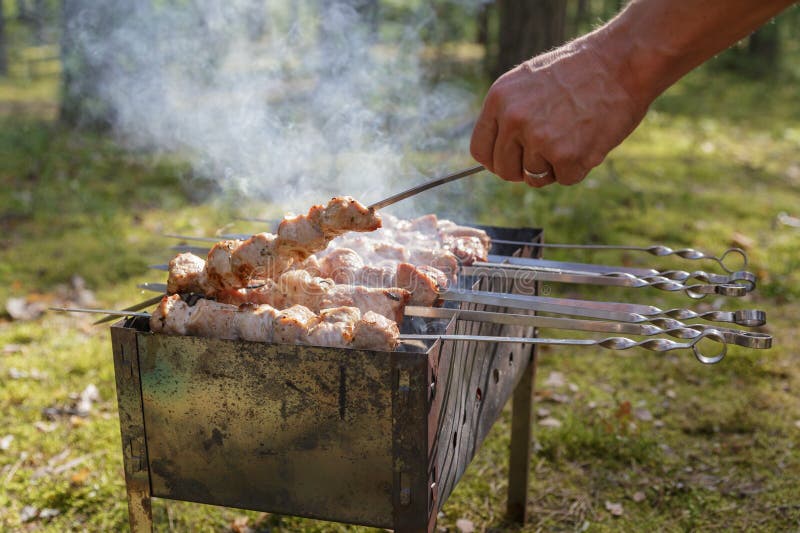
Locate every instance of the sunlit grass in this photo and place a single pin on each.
(712, 160)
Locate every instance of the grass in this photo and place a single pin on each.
(715, 157)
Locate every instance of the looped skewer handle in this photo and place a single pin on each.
(659, 250)
(695, 291)
(610, 343)
(744, 317)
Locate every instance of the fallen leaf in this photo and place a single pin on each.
(638, 496)
(22, 309)
(671, 394)
(542, 412)
(555, 379)
(80, 476)
(614, 508)
(740, 240)
(573, 387)
(550, 422)
(48, 513)
(45, 427)
(241, 525)
(464, 525)
(28, 513)
(643, 414)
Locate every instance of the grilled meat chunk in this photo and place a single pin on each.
(343, 214)
(335, 327)
(254, 322)
(187, 274)
(170, 316)
(388, 302)
(375, 332)
(291, 325)
(219, 271)
(212, 319)
(341, 265)
(423, 283)
(258, 257)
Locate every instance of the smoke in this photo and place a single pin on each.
(291, 102)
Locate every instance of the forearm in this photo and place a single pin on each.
(653, 43)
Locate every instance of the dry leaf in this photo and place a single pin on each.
(241, 525)
(638, 496)
(542, 412)
(643, 414)
(48, 513)
(550, 422)
(28, 513)
(79, 477)
(614, 508)
(555, 379)
(740, 240)
(464, 525)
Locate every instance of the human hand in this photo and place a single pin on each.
(559, 113)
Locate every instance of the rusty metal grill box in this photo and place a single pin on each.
(362, 437)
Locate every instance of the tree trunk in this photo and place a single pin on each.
(87, 59)
(527, 28)
(482, 34)
(38, 20)
(3, 39)
(22, 10)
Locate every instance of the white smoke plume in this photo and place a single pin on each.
(287, 101)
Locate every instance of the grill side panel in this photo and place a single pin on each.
(475, 380)
(288, 429)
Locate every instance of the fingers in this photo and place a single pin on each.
(508, 159)
(484, 135)
(534, 163)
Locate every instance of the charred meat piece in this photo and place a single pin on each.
(375, 332)
(343, 214)
(254, 322)
(467, 249)
(300, 287)
(212, 319)
(335, 327)
(170, 316)
(388, 302)
(219, 271)
(258, 257)
(424, 283)
(342, 265)
(291, 325)
(442, 260)
(187, 274)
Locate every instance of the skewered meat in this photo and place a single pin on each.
(258, 257)
(187, 274)
(389, 303)
(255, 322)
(335, 327)
(468, 249)
(170, 316)
(292, 325)
(232, 264)
(219, 271)
(212, 319)
(424, 283)
(303, 235)
(375, 332)
(340, 265)
(262, 323)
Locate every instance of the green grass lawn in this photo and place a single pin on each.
(679, 445)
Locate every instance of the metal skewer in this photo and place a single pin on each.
(671, 327)
(657, 250)
(622, 312)
(427, 185)
(611, 343)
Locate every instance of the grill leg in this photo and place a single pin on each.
(520, 456)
